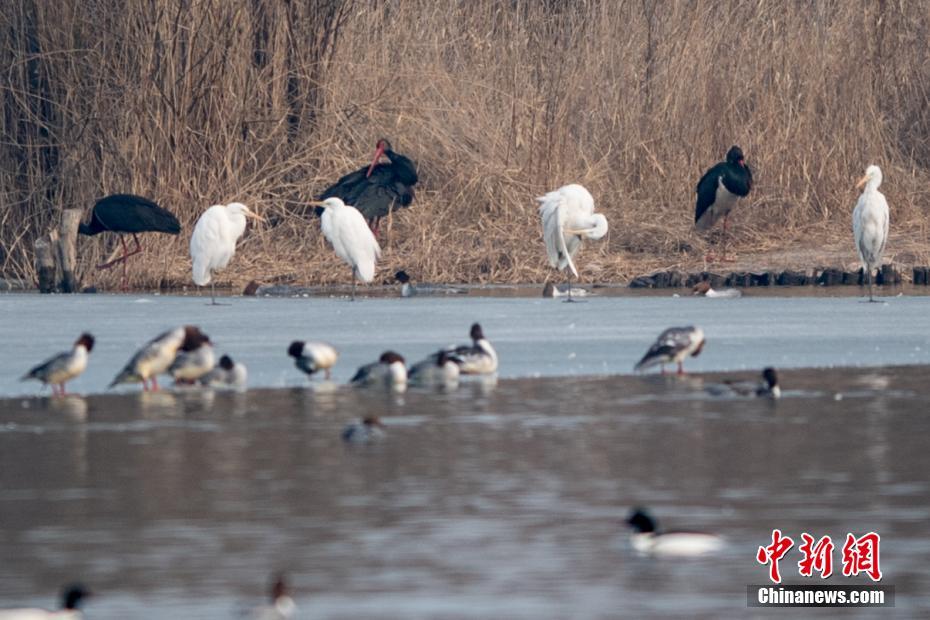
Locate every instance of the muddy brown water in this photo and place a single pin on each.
(497, 500)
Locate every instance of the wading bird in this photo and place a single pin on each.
(127, 213)
(389, 371)
(226, 374)
(71, 599)
(345, 228)
(673, 345)
(647, 538)
(719, 190)
(567, 218)
(379, 189)
(311, 357)
(870, 223)
(157, 356)
(213, 241)
(67, 365)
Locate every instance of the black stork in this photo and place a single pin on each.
(719, 190)
(380, 188)
(128, 213)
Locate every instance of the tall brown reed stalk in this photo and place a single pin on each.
(197, 102)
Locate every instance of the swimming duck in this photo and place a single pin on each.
(364, 431)
(673, 345)
(647, 538)
(63, 367)
(390, 371)
(282, 605)
(226, 373)
(71, 600)
(478, 358)
(311, 357)
(436, 370)
(766, 387)
(157, 356)
(703, 289)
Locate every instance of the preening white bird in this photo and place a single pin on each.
(870, 223)
(348, 232)
(567, 218)
(213, 241)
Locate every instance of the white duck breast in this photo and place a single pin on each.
(389, 370)
(677, 543)
(311, 357)
(71, 602)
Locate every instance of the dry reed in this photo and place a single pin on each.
(197, 102)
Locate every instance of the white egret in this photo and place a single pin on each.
(870, 223)
(58, 369)
(567, 218)
(673, 346)
(348, 232)
(213, 241)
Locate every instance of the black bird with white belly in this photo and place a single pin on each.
(719, 190)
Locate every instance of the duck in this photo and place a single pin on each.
(390, 371)
(673, 345)
(158, 355)
(282, 606)
(551, 290)
(436, 370)
(766, 387)
(194, 360)
(407, 288)
(226, 373)
(703, 289)
(648, 539)
(363, 431)
(64, 366)
(311, 357)
(71, 599)
(477, 358)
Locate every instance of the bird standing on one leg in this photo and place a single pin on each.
(345, 228)
(719, 190)
(870, 223)
(213, 241)
(567, 218)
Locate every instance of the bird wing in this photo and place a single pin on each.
(211, 244)
(48, 367)
(134, 214)
(737, 179)
(553, 213)
(390, 186)
(669, 342)
(364, 372)
(707, 191)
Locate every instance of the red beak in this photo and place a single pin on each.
(374, 162)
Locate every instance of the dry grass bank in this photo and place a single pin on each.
(195, 102)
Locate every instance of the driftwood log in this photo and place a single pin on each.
(67, 249)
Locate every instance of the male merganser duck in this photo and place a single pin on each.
(478, 358)
(648, 539)
(313, 356)
(157, 356)
(390, 371)
(368, 429)
(551, 290)
(227, 373)
(406, 288)
(282, 605)
(673, 345)
(703, 289)
(766, 387)
(194, 360)
(71, 600)
(67, 365)
(436, 370)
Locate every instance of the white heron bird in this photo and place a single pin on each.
(870, 223)
(567, 218)
(213, 241)
(348, 232)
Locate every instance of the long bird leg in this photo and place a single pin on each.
(212, 293)
(681, 369)
(871, 299)
(353, 284)
(569, 287)
(126, 253)
(154, 384)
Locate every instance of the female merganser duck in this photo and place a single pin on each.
(313, 356)
(194, 360)
(157, 356)
(227, 373)
(704, 290)
(390, 371)
(282, 605)
(71, 600)
(673, 345)
(766, 387)
(67, 365)
(436, 370)
(478, 358)
(363, 431)
(648, 539)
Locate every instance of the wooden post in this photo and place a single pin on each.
(67, 253)
(45, 265)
